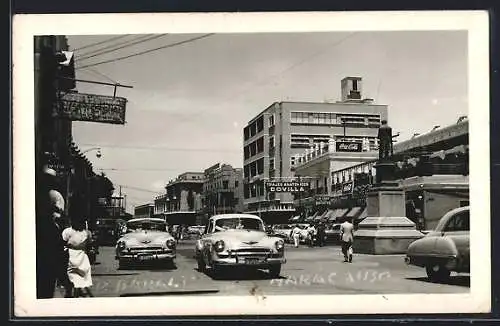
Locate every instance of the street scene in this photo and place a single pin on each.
(252, 164)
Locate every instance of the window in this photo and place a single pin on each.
(260, 123)
(225, 184)
(271, 142)
(271, 120)
(354, 85)
(260, 145)
(247, 152)
(260, 166)
(246, 133)
(459, 222)
(236, 183)
(271, 163)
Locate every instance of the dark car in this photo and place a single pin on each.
(106, 231)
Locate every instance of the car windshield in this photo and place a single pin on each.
(146, 225)
(239, 223)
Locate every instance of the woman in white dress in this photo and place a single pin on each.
(79, 268)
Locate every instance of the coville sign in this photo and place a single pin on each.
(287, 186)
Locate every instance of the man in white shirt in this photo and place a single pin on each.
(347, 238)
(296, 236)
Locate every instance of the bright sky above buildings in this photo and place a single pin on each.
(190, 102)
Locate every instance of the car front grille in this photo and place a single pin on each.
(252, 253)
(148, 250)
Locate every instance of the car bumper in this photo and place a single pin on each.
(246, 262)
(146, 257)
(450, 263)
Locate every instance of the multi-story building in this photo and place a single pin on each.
(223, 189)
(182, 201)
(144, 211)
(275, 138)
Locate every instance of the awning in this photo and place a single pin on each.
(329, 214)
(363, 214)
(353, 212)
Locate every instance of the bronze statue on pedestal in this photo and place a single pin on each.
(385, 141)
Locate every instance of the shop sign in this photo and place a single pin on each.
(91, 107)
(287, 186)
(322, 200)
(348, 147)
(347, 188)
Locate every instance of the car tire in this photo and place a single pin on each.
(201, 264)
(275, 271)
(437, 273)
(122, 264)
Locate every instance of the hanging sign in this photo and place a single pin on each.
(287, 186)
(91, 107)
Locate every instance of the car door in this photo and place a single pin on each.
(458, 230)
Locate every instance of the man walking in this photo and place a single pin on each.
(296, 236)
(347, 238)
(321, 234)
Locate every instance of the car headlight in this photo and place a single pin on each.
(121, 244)
(171, 243)
(280, 245)
(219, 246)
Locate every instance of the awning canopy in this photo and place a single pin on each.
(353, 212)
(362, 215)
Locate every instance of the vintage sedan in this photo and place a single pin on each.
(145, 239)
(444, 249)
(239, 240)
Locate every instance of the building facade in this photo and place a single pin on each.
(182, 201)
(432, 169)
(144, 211)
(223, 190)
(276, 138)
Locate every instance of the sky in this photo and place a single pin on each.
(190, 102)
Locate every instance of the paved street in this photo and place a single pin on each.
(307, 271)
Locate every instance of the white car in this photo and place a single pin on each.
(145, 239)
(239, 240)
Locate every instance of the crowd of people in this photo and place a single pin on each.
(316, 236)
(61, 255)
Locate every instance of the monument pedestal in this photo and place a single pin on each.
(386, 230)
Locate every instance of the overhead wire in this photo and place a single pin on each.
(164, 148)
(127, 44)
(146, 51)
(101, 42)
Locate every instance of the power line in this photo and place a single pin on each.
(147, 51)
(273, 77)
(165, 148)
(101, 42)
(113, 45)
(95, 72)
(139, 189)
(148, 38)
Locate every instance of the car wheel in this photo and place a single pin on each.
(122, 264)
(275, 271)
(437, 272)
(201, 264)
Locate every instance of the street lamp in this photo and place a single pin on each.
(98, 149)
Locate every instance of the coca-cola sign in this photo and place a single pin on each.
(348, 147)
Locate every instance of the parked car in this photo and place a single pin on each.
(444, 249)
(283, 231)
(105, 231)
(333, 233)
(239, 240)
(145, 239)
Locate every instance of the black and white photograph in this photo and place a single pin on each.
(299, 163)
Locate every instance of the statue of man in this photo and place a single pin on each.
(385, 140)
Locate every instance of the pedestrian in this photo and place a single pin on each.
(79, 269)
(321, 234)
(296, 235)
(311, 232)
(51, 256)
(347, 238)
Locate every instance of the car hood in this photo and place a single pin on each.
(235, 238)
(146, 238)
